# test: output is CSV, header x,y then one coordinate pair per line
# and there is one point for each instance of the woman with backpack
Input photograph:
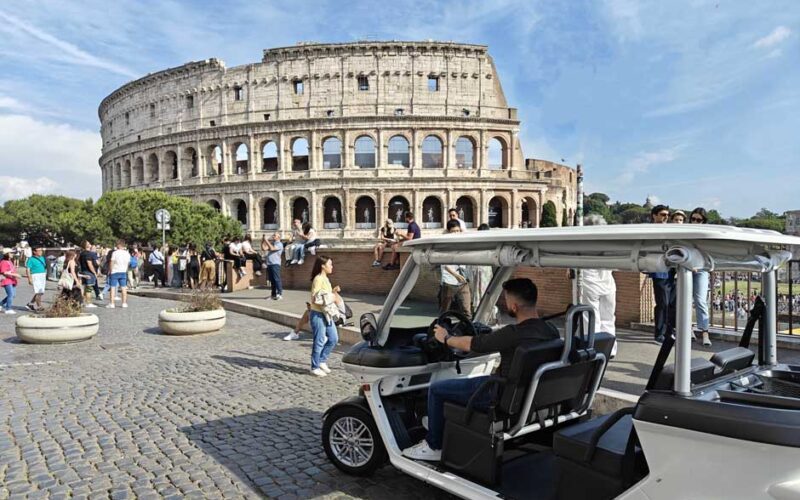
x,y
208,266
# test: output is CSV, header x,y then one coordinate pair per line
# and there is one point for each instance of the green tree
x,y
41,218
774,224
549,215
634,215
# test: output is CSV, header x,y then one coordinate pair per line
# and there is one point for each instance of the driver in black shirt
x,y
520,296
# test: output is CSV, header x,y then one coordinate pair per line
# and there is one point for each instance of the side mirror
x,y
369,327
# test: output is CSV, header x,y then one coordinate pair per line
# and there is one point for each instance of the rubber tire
x,y
379,456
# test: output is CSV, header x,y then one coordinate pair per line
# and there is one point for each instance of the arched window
x,y
398,206
269,157
152,168
498,212
189,163
242,162
431,213
365,152
300,210
117,176
126,179
270,215
497,154
529,214
137,176
365,213
215,205
466,210
331,153
171,162
398,151
465,153
332,213
299,154
214,163
432,152
240,209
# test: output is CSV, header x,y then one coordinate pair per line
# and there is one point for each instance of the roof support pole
x,y
683,332
768,292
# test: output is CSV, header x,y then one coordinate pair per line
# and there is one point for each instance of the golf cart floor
x,y
531,476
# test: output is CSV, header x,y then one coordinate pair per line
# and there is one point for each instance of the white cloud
x,y
72,53
11,104
12,188
625,20
777,36
35,147
642,162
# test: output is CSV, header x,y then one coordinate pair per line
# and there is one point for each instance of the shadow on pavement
x,y
279,452
255,363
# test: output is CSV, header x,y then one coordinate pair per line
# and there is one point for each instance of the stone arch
x,y
498,212
299,148
215,205
116,177
498,153
137,174
214,160
189,163
399,151
239,211
270,161
270,215
331,153
529,212
301,209
396,209
465,206
365,152
432,215
332,212
365,212
126,178
152,170
241,155
171,163
465,152
432,152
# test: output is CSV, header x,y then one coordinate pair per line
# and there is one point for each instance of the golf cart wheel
x,y
352,442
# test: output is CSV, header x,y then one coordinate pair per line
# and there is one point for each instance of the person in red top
x,y
8,280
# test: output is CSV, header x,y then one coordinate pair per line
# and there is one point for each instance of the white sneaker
x,y
116,299
376,263
300,262
278,297
324,367
101,297
293,262
258,273
421,451
11,311
125,304
425,422
109,306
614,350
312,250
292,336
318,372
90,306
706,340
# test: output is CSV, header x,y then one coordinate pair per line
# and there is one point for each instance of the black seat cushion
x,y
572,443
733,359
702,370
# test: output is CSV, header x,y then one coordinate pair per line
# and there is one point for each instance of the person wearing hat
x,y
388,236
678,217
8,280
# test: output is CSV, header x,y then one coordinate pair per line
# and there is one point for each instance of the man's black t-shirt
x,y
507,339
413,229
84,258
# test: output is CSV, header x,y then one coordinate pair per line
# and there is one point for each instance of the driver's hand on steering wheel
x,y
440,333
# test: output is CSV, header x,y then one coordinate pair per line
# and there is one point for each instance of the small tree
x,y
549,215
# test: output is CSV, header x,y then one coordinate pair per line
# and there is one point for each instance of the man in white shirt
x,y
120,260
454,284
452,214
156,261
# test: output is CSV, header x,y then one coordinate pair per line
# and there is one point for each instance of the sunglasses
x,y
663,214
697,219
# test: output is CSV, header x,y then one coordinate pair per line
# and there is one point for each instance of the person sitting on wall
x,y
520,295
249,253
294,240
388,236
311,242
413,233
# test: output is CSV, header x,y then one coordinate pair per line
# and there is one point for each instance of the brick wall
x,y
353,272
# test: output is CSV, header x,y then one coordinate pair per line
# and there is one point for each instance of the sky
x,y
688,102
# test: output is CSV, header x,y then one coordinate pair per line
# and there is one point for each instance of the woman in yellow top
x,y
322,326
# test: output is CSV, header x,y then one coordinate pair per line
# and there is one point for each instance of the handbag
x,y
67,281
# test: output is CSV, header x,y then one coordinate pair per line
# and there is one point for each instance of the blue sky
x,y
692,102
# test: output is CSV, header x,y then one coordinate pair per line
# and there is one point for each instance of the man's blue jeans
x,y
8,301
325,338
274,273
457,390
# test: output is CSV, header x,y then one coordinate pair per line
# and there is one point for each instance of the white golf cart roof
x,y
636,247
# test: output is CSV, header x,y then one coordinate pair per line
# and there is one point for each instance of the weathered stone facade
x,y
344,135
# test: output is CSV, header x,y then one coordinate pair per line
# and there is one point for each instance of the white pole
x,y
578,287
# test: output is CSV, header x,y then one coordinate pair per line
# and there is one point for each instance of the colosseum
x,y
341,135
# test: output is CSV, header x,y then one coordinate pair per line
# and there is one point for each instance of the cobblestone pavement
x,y
134,413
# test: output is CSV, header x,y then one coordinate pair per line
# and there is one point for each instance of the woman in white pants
x,y
599,290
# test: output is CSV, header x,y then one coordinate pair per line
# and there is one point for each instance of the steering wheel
x,y
462,327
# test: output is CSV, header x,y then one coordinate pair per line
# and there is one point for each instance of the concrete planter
x,y
36,329
191,323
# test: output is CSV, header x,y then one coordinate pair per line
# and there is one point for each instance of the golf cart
x,y
724,427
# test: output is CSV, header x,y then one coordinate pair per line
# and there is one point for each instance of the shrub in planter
x,y
64,321
203,313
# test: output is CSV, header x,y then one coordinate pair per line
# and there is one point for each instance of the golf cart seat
x,y
548,383
703,370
